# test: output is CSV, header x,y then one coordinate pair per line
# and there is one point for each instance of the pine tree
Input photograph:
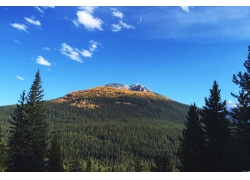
x,y
55,163
217,132
75,163
28,141
17,146
2,151
90,165
162,164
241,115
192,142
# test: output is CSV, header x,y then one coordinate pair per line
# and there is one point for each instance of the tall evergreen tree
x,y
75,163
192,142
241,114
17,147
217,132
55,163
28,141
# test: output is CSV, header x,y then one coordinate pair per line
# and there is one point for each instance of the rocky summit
x,y
133,87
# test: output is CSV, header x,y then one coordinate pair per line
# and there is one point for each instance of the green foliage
x,y
241,116
27,146
217,132
162,164
2,151
55,163
90,165
75,162
192,142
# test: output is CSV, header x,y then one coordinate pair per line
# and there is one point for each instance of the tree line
x,y
216,139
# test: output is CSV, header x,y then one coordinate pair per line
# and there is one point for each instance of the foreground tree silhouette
x,y
241,115
192,142
28,140
217,132
55,163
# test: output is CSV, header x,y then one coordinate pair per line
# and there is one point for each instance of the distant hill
x,y
114,123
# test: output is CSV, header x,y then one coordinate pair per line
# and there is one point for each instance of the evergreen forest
x,y
128,133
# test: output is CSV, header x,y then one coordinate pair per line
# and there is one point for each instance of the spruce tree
x,y
28,141
217,132
75,162
241,115
18,146
55,163
192,142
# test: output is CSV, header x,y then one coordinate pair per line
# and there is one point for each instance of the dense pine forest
x,y
126,133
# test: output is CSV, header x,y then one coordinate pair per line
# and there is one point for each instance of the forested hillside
x,y
115,130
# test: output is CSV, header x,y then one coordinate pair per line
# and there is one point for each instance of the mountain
x,y
133,87
113,124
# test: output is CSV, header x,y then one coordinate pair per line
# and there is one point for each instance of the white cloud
x,y
230,104
72,53
92,48
117,13
42,61
126,25
46,48
21,78
139,21
86,18
116,27
20,27
16,41
86,53
89,9
185,8
42,8
39,9
32,21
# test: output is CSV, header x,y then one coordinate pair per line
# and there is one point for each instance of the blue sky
x,y
172,50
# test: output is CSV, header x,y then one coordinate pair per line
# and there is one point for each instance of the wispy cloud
x,y
92,48
42,8
117,13
116,27
124,25
208,23
139,21
121,24
20,78
42,61
32,21
39,9
46,48
16,41
72,53
185,8
20,27
86,18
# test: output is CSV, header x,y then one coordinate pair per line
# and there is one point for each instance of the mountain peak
x,y
133,87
